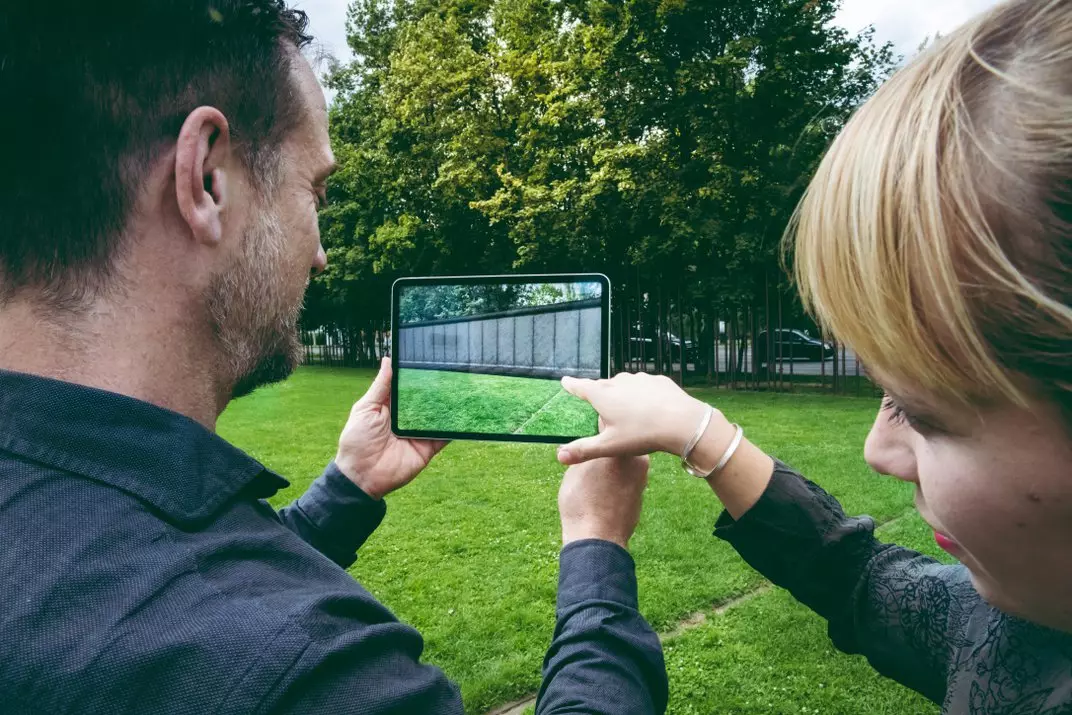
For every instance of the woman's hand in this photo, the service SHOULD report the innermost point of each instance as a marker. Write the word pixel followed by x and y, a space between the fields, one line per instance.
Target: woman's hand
pixel 639 414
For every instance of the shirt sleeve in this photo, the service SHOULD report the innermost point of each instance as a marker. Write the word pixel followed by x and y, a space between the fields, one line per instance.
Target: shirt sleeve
pixel 907 613
pixel 605 658
pixel 346 654
pixel 334 516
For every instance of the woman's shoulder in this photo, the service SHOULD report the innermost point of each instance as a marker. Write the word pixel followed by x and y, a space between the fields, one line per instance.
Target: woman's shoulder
pixel 1007 665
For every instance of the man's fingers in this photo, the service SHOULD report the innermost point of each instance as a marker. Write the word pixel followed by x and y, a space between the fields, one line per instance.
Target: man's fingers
pixel 585 450
pixel 379 392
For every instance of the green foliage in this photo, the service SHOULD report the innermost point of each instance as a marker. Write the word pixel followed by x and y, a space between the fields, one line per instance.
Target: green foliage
pixel 419 303
pixel 663 142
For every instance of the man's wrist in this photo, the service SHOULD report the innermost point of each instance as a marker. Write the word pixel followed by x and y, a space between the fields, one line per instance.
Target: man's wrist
pixel 595 569
pixel 360 479
pixel 572 535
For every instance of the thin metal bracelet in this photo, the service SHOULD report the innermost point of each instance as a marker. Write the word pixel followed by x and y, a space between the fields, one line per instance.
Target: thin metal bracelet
pixel 704 424
pixel 730 451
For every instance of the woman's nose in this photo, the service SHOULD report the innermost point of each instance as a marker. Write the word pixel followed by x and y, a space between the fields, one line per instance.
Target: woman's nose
pixel 889 449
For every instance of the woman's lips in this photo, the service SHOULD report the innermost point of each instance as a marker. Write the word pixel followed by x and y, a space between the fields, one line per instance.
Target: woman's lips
pixel 947 544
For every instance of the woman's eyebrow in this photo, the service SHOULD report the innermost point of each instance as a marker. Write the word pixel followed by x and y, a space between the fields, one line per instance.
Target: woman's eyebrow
pixel 913 407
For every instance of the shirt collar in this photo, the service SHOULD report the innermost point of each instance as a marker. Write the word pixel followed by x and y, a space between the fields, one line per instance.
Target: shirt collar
pixel 166 459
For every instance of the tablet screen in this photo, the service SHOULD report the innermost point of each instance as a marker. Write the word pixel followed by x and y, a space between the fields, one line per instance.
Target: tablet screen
pixel 483 357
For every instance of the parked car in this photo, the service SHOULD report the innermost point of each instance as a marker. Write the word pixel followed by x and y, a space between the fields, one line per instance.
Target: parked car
pixel 791 344
pixel 646 348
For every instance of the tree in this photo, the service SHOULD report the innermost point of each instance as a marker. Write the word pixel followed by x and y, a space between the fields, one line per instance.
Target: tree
pixel 663 142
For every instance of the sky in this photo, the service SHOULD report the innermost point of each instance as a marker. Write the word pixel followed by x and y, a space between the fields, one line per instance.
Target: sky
pixel 905 23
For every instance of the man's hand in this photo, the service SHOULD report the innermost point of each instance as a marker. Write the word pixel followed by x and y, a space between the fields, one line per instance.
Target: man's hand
pixel 601 499
pixel 370 454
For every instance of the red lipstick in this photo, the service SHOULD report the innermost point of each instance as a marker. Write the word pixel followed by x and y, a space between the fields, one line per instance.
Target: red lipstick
pixel 946 543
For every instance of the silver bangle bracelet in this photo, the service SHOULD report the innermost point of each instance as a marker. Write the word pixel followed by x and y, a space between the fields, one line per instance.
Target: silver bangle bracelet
pixel 730 451
pixel 704 424
pixel 726 456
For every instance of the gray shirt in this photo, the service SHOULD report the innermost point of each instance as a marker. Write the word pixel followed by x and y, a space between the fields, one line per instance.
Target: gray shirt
pixel 916 620
pixel 143 572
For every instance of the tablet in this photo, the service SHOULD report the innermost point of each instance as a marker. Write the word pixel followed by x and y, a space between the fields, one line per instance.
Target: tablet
pixel 482 357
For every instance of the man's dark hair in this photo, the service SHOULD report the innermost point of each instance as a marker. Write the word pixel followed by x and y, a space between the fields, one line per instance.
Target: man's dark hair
pixel 93 91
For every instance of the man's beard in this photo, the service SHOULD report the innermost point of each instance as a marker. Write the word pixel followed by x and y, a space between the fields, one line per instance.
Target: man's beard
pixel 254 321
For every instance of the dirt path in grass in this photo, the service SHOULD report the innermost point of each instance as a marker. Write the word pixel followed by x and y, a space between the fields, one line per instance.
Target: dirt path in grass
pixel 530 420
pixel 518 707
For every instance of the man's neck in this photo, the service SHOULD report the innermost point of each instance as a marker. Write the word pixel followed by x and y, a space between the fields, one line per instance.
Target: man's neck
pixel 121 349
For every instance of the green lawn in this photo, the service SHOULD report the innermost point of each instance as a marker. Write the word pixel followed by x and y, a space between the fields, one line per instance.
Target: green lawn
pixel 441 401
pixel 468 553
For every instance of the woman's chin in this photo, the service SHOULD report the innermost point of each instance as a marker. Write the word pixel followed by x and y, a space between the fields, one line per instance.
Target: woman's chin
pixel 995 596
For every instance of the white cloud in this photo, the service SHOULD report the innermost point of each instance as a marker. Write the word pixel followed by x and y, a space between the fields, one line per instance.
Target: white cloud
pixel 327 23
pixel 905 23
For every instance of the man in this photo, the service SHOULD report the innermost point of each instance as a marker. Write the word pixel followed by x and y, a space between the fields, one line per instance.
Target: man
pixel 162 168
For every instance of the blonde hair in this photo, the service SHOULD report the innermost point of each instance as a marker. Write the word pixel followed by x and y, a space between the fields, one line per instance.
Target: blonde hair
pixel 936 236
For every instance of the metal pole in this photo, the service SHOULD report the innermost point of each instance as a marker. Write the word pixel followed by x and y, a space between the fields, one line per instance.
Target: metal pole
pixel 781 346
pixel 718 340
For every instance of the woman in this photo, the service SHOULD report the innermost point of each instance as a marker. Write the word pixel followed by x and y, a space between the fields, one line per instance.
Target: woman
pixel 936 240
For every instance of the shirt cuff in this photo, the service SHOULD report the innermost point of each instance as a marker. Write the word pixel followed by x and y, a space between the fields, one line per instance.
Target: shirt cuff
pixel 596 570
pixel 791 507
pixel 344 514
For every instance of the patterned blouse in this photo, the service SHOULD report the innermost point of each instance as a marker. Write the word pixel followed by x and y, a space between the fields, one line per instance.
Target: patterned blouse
pixel 916 620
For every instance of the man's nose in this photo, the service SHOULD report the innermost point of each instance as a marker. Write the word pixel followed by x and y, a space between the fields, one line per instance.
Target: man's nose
pixel 321 261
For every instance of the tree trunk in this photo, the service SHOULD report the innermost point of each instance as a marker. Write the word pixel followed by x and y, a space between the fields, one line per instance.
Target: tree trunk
pixel 718 341
pixel 822 365
pixel 837 352
pixel 620 367
pixel 781 346
pixel 681 335
pixel 642 359
pixel 711 341
pixel 657 338
pixel 768 337
pixel 732 357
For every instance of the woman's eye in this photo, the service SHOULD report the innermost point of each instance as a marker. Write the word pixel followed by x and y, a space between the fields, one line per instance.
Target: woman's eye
pixel 898 416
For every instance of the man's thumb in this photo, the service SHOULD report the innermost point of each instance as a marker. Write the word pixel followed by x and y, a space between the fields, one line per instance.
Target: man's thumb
pixel 585 450
pixel 379 392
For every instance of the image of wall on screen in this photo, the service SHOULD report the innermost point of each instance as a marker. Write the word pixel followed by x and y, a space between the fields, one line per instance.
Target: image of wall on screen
pixel 488 358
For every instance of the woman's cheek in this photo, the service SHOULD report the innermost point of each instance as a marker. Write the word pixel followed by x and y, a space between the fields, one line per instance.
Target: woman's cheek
pixel 952 493
pixel 973 506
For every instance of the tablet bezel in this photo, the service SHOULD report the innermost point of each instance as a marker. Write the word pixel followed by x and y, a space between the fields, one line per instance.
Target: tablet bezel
pixel 485 280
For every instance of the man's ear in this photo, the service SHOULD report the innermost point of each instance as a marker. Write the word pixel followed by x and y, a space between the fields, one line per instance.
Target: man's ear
pixel 201 161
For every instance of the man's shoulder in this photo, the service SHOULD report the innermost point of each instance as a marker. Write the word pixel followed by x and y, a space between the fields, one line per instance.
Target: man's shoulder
pixel 113 608
pixel 105 611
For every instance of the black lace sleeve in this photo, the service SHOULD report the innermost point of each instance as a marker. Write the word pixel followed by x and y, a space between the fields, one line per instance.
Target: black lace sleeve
pixel 905 612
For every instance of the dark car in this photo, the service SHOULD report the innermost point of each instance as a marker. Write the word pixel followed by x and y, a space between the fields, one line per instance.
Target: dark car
pixel 793 345
pixel 647 349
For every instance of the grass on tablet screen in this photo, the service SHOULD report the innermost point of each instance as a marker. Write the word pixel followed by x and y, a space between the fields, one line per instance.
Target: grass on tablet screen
pixel 440 401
